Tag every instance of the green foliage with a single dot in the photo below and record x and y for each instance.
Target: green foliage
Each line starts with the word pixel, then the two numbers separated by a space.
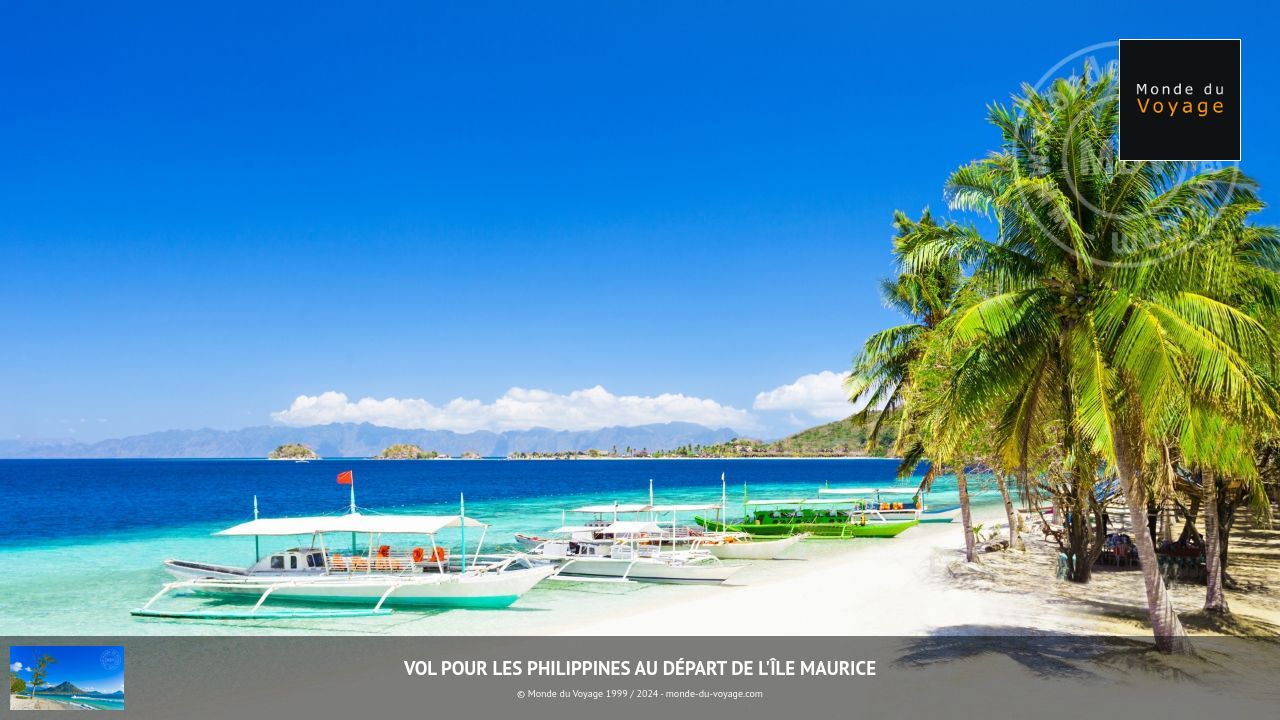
pixel 40 672
pixel 407 451
pixel 16 684
pixel 849 437
pixel 292 451
pixel 842 438
pixel 1119 322
pixel 886 373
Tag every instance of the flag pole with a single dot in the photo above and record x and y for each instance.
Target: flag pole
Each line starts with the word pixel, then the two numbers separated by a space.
pixel 462 527
pixel 724 504
pixel 352 509
pixel 257 553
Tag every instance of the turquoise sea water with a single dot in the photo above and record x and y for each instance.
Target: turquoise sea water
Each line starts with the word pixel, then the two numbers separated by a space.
pixel 91 703
pixel 87 538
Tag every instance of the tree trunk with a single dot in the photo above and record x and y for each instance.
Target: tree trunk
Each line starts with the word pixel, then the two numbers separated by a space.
pixel 1189 528
pixel 1170 636
pixel 1215 600
pixel 1015 540
pixel 1153 521
pixel 1227 507
pixel 966 520
pixel 1076 524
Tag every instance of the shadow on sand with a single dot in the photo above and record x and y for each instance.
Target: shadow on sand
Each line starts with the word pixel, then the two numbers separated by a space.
pixel 1086 658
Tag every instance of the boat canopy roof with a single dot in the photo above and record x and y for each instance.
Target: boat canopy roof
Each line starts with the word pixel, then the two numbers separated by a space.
pixel 631 527
pixel 574 529
pixel 802 501
pixel 352 522
pixel 684 508
pixel 641 507
pixel 867 491
pixel 622 527
pixel 622 508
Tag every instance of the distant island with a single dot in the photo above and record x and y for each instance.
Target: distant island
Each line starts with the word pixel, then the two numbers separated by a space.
pixel 293 451
pixel 842 438
pixel 408 451
pixel 352 440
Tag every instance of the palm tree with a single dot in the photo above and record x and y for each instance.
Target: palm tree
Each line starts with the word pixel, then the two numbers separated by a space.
pixel 1226 455
pixel 882 375
pixel 1085 321
pixel 40 672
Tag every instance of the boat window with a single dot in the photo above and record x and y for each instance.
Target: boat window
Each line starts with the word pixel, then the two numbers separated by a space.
pixel 315 560
pixel 293 562
pixel 277 562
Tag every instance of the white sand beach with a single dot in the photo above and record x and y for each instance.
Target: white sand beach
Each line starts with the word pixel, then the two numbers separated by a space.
pixel 25 703
pixel 917 584
pixel 869 587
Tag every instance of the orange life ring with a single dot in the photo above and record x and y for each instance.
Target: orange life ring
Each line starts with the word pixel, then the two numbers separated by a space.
pixel 418 554
pixel 438 554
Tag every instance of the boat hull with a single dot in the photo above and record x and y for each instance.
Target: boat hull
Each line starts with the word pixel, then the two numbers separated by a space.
pixel 756 549
pixel 645 571
pixel 841 531
pixel 528 542
pixel 484 590
pixel 943 515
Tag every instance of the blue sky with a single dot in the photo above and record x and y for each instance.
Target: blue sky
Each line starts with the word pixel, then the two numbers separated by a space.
pixel 207 211
pixel 88 667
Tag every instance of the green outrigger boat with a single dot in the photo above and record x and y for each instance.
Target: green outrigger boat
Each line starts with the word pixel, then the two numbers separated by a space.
pixel 821 517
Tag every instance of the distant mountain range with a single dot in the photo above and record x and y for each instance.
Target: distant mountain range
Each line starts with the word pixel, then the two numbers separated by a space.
pixel 66 687
pixel 63 688
pixel 365 440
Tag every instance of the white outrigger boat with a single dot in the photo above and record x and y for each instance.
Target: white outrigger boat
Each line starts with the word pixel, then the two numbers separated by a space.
pixel 881 499
pixel 724 544
pixel 624 550
pixel 315 573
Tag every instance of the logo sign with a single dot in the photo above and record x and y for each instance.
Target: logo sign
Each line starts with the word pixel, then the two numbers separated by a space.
pixel 1180 100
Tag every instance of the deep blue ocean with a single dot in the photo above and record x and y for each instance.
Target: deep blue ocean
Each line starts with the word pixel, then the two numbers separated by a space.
pixel 58 501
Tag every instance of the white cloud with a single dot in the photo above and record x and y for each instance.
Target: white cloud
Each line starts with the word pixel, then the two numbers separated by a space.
pixel 819 395
pixel 518 409
pixel 15 667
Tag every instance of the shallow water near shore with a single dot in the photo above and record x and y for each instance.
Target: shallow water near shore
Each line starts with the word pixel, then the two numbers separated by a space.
pixel 87 537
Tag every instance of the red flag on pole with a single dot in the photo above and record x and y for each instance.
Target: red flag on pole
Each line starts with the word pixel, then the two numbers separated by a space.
pixel 344 477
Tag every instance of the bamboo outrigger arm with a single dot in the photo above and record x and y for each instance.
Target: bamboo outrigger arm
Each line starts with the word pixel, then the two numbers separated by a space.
pixel 256 613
